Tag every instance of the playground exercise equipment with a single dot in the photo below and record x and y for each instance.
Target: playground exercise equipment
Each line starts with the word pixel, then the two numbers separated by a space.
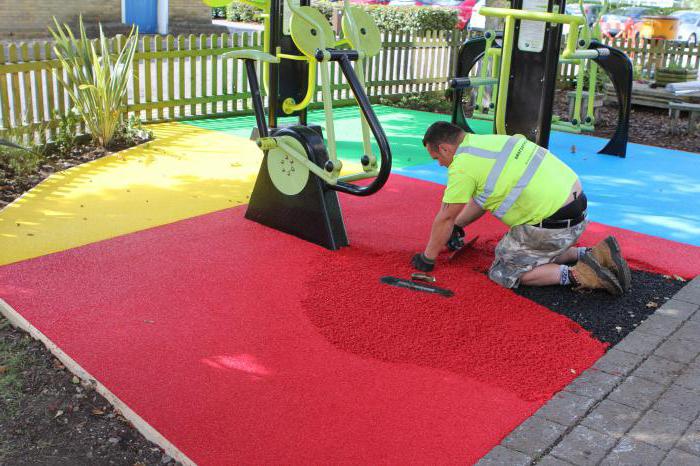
pixel 585 69
pixel 296 188
pixel 523 72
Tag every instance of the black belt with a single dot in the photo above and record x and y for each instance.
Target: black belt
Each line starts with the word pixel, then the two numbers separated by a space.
pixel 562 223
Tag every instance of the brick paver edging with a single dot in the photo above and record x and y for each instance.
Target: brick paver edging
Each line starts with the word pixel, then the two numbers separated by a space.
pixel 638 405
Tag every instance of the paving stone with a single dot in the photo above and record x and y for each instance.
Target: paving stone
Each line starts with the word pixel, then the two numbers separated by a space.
pixel 616 362
pixel 630 452
pixel 695 317
pixel 660 324
pixel 677 309
pixel 658 429
pixel 565 408
pixel 659 370
pixel 550 460
pixel 503 456
pixel 690 442
pixel 639 343
pixel 637 392
pixel 533 436
pixel 681 458
pixel 690 293
pixel 583 446
pixel 690 378
pixel 593 384
pixel 679 402
pixel 678 349
pixel 611 418
pixel 689 331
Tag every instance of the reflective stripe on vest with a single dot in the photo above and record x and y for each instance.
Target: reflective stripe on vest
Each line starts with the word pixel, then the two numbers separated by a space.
pixel 501 157
pixel 521 184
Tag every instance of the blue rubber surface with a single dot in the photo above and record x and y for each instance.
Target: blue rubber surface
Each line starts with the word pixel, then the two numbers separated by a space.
pixel 653 190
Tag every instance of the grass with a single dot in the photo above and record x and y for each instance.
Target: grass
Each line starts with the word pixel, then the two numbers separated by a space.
pixel 14 359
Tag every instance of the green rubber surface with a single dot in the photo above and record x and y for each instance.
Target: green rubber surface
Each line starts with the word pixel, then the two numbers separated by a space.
pixel 404 129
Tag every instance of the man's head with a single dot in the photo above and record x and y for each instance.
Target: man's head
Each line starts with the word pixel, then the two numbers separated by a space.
pixel 442 140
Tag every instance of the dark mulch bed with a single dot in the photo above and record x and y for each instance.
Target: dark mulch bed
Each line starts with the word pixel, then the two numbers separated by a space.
pixel 607 317
pixel 48 417
pixel 650 126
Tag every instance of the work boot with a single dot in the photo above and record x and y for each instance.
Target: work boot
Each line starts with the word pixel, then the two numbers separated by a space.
pixel 589 274
pixel 608 254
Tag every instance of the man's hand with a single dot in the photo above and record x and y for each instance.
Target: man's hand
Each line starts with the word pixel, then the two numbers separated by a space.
pixel 422 263
pixel 456 241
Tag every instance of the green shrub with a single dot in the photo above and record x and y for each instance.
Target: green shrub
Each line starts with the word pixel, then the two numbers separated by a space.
pixel 241 12
pixel 433 101
pixel 19 155
pixel 131 132
pixel 388 18
pixel 401 19
pixel 413 19
pixel 66 138
pixel 218 12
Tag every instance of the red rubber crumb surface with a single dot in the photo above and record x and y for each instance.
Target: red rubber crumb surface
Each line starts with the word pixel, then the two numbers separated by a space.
pixel 244 345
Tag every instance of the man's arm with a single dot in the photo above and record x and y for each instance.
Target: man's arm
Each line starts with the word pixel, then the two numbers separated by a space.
pixel 470 213
pixel 442 229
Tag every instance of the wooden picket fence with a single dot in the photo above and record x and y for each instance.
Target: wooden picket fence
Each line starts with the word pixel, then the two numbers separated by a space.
pixel 647 55
pixel 185 77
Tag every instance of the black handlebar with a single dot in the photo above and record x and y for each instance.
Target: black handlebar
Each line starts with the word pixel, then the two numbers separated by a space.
pixel 460 83
pixel 336 55
pixel 343 57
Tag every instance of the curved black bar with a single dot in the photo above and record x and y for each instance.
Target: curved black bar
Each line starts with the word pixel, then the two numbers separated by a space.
pixel 258 108
pixel 377 131
pixel 469 54
pixel 619 67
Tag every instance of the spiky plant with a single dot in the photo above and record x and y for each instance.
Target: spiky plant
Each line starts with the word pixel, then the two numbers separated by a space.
pixel 96 79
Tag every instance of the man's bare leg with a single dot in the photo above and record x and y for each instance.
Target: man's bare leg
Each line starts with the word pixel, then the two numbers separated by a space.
pixel 547 274
pixel 550 274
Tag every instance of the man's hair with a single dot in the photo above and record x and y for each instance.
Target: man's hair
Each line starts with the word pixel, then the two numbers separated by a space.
pixel 442 132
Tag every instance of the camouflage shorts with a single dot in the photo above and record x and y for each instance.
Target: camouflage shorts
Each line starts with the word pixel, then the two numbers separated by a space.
pixel 525 247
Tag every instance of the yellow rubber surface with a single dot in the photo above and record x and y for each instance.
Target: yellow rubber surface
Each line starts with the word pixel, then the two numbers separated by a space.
pixel 185 172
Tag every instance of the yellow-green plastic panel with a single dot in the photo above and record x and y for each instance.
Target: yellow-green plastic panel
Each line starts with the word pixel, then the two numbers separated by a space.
pixel 311 31
pixel 361 31
pixel 252 55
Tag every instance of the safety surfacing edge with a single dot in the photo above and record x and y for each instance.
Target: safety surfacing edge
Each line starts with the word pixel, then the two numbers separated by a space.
pixel 325 361
pixel 262 348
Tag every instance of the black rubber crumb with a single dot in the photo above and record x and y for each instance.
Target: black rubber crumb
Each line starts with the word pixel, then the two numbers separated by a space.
pixel 607 317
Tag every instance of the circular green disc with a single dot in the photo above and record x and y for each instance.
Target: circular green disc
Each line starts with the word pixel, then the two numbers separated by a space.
pixel 287 174
pixel 310 31
pixel 365 29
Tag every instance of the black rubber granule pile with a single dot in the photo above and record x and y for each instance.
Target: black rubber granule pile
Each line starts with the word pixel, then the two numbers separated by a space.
pixel 608 318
